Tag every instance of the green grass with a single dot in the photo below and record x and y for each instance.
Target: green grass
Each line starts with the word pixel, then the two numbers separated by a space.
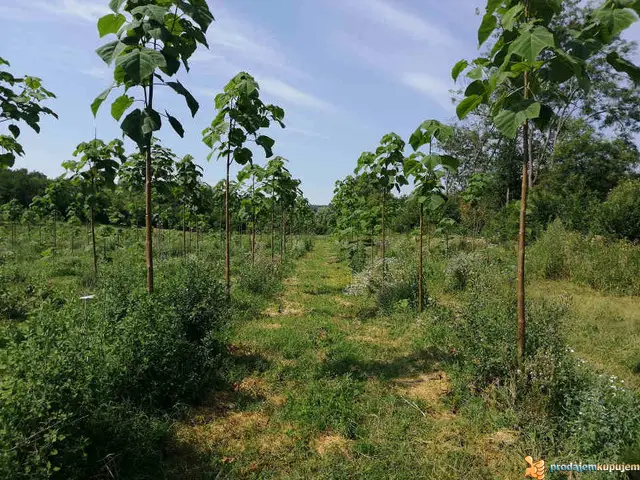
pixel 603 329
pixel 320 393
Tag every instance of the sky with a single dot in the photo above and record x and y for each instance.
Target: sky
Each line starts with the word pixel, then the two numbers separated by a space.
pixel 345 71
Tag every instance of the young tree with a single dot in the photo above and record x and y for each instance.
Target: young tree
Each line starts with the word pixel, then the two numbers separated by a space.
pixel 11 213
pixel 94 172
pixel 241 114
pixel 386 166
pixel 257 200
pixel 188 175
pixel 153 38
pixel 15 107
pixel 527 62
pixel 424 169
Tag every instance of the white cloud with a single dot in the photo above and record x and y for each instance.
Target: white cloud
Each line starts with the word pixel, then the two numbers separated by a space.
pixel 432 87
pixel 241 42
pixel 82 9
pixel 306 133
pixel 293 96
pixel 407 22
pixel 97 72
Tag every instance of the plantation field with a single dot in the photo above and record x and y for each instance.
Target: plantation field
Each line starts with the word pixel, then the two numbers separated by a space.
pixel 314 374
pixel 459 300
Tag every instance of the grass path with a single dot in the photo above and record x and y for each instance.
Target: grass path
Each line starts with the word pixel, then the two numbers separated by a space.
pixel 324 388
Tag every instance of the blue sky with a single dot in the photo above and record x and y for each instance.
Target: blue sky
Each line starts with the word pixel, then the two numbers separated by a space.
pixel 346 72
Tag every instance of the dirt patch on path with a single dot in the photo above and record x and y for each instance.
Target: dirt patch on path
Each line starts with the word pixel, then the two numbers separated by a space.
pixel 332 444
pixel 429 387
pixel 287 309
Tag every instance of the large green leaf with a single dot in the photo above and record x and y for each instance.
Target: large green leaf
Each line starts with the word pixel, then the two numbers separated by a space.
pixel 509 120
pixel 115 5
pixel 613 22
pixel 242 155
pixel 199 11
pixel 192 103
pixel 509 18
pixel 121 105
pixel 492 5
pixel 154 12
pixel 467 105
pixel 267 144
pixel 132 127
pixel 175 124
pixel 151 122
pixel 110 51
pixel 530 43
pixel 95 105
pixel 110 23
pixel 458 68
pixel 488 25
pixel 140 63
pixel 623 65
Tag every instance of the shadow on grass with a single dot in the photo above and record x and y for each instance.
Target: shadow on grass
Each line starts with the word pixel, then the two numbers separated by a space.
pixel 422 361
pixel 186 455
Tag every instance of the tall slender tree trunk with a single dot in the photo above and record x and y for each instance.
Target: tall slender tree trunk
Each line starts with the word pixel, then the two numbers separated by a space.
pixel 522 233
pixel 383 240
pixel 93 241
pixel 273 238
pixel 55 235
pixel 184 229
pixel 420 280
pixel 282 234
pixel 227 221
pixel 253 220
pixel 148 204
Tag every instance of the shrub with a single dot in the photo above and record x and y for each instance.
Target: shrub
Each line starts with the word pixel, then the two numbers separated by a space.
pixel 85 387
pixel 557 396
pixel 620 213
pixel 262 277
pixel 399 288
pixel 602 264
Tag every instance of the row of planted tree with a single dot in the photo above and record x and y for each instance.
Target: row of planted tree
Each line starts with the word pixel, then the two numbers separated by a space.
pixel 516 85
pixel 153 40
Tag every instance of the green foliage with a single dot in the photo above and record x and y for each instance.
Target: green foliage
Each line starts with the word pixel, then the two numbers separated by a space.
pixel 153 40
pixel 241 114
pixel 16 107
pixel 620 213
pixel 610 266
pixel 83 384
pixel 261 277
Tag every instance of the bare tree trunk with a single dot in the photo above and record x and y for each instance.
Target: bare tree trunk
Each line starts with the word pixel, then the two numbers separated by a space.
pixel 383 240
pixel 253 220
pixel 282 234
pixel 273 220
pixel 227 247
pixel 420 280
pixel 148 204
pixel 55 236
pixel 184 229
pixel 93 241
pixel 522 235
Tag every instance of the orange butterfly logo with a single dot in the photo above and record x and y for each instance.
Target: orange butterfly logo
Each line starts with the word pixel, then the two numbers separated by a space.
pixel 535 470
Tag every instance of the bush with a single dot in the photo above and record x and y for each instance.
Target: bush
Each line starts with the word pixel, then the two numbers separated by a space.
pixel 89 384
pixel 620 213
pixel 261 277
pixel 599 263
pixel 399 288
pixel 557 396
pixel 356 256
pixel 300 246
